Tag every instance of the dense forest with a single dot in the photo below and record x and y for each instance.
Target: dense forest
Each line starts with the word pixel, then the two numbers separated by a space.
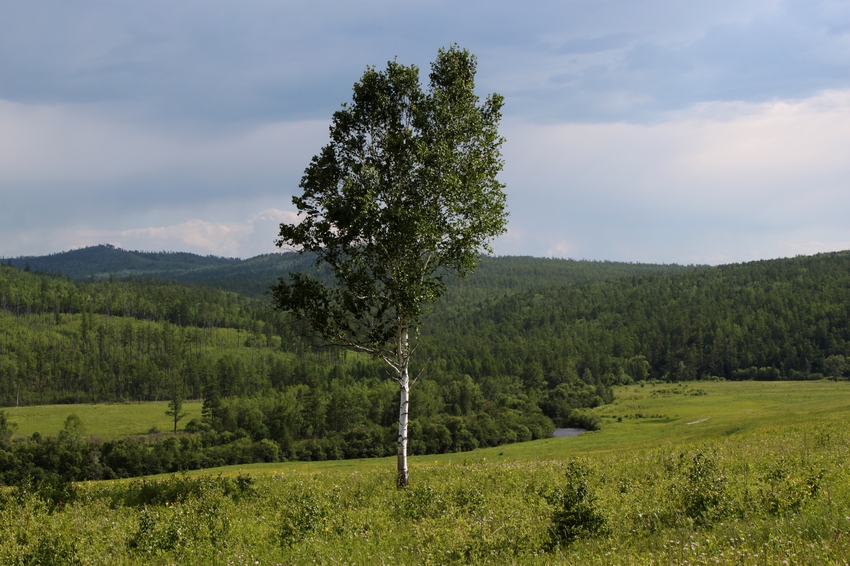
pixel 774 319
pixel 495 276
pixel 523 345
pixel 268 393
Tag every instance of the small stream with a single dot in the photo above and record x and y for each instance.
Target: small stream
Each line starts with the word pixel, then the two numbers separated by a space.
pixel 567 432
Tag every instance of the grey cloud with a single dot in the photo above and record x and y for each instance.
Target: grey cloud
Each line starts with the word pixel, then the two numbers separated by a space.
pixel 788 52
pixel 596 44
pixel 165 95
pixel 260 61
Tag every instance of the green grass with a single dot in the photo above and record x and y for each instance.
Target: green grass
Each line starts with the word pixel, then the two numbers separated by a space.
pixel 108 421
pixel 761 476
pixel 717 410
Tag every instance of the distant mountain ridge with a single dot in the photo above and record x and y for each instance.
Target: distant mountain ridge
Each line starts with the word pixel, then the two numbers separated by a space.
pixel 103 261
pixel 99 262
pixel 495 276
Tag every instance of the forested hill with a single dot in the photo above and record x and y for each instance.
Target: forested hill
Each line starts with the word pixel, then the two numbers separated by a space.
pixel 604 322
pixel 495 276
pixel 250 277
pixel 776 319
pixel 509 355
pixel 103 261
pixel 144 339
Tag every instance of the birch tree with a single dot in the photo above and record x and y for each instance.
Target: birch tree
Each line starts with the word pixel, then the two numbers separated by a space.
pixel 404 195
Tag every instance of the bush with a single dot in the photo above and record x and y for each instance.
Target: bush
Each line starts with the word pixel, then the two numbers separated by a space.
pixel 576 514
pixel 704 488
pixel 581 419
pixel 181 488
pixel 266 451
pixel 50 488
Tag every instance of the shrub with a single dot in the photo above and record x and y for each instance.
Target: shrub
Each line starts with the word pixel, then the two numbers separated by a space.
pixel 785 487
pixel 576 514
pixel 704 487
pixel 299 518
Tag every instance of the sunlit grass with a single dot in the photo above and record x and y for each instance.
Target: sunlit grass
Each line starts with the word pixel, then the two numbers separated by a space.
pixel 103 420
pixel 759 476
pixel 715 410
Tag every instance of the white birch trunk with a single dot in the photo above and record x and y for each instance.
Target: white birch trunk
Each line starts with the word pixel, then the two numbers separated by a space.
pixel 403 411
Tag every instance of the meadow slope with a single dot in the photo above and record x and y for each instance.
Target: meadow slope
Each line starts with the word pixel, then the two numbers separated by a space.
pixel 703 473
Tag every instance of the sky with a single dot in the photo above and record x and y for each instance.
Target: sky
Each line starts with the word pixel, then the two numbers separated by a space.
pixel 659 131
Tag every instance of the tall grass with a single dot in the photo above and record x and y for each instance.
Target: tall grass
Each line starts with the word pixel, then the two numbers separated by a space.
pixel 756 487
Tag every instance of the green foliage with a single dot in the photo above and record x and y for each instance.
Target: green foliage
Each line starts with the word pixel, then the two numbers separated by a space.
pixel 197 527
pixel 575 513
pixel 704 486
pixel 766 320
pixel 404 194
pixel 51 489
pixel 180 489
pixel 302 516
pixel 73 431
pixel 636 506
pixel 786 486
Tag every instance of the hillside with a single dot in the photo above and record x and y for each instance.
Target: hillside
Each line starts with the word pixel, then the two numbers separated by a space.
pixel 505 359
pixel 100 262
pixel 773 319
pixel 63 341
pixel 495 276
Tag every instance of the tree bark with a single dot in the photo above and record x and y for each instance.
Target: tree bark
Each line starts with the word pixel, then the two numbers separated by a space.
pixel 404 403
pixel 403 412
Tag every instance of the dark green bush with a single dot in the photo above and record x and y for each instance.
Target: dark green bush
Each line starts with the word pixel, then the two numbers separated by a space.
pixel 575 512
pixel 704 487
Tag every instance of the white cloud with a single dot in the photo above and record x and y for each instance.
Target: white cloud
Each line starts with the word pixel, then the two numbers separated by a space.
pixel 720 180
pixel 562 249
pixel 712 150
pixel 246 238
pixel 49 149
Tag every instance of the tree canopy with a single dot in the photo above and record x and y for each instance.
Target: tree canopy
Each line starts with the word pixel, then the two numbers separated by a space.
pixel 403 195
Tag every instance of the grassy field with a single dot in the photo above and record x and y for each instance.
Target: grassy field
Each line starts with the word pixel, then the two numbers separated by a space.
pixel 669 416
pixel 649 416
pixel 701 473
pixel 106 421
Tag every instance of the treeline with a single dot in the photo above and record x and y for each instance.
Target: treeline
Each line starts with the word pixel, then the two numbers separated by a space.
pixel 494 277
pixel 776 319
pixel 267 392
pixel 64 341
pixel 296 424
pixel 23 293
pixel 67 341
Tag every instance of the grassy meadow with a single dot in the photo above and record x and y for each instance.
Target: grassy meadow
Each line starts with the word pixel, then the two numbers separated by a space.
pixel 102 420
pixel 696 473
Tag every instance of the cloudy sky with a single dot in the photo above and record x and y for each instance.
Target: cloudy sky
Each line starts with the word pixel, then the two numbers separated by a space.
pixel 708 131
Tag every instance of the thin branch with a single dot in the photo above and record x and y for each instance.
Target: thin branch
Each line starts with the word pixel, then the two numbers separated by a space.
pixel 418 375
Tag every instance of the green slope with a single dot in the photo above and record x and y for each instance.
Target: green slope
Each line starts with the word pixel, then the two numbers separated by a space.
pixel 776 319
pixel 99 262
pixel 495 276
